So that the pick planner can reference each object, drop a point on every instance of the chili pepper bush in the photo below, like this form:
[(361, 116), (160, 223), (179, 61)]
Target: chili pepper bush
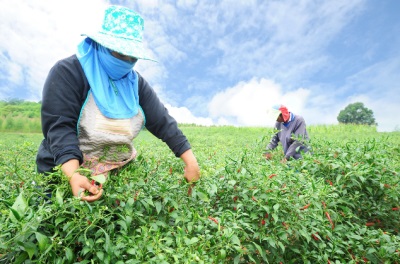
[(338, 205)]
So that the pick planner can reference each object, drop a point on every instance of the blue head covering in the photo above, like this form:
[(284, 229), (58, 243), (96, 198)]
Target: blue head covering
[(113, 82)]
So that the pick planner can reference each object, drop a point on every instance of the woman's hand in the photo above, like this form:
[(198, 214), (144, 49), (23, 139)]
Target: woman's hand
[(192, 170), (267, 155), (192, 173), (80, 184)]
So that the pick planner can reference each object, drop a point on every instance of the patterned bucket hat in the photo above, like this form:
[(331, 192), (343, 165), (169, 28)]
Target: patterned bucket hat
[(121, 31)]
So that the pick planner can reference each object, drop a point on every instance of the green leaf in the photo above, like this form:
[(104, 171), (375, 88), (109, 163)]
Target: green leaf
[(357, 237), (100, 255), (275, 216), (202, 196), (235, 240), (193, 240), (271, 241), (30, 248), (59, 220), (237, 259), (131, 251), (276, 207), (14, 215), (232, 182), (305, 235), (338, 178), (21, 258), (59, 197), (296, 250), (42, 241), (149, 201), (158, 206), (69, 254), (18, 209), (99, 178), (282, 246), (262, 252), (122, 224)]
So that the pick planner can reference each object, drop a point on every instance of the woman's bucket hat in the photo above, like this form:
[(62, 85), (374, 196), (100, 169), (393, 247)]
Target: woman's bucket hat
[(121, 31)]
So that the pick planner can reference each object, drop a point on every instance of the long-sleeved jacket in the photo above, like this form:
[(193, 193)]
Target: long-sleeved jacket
[(291, 137), (64, 94)]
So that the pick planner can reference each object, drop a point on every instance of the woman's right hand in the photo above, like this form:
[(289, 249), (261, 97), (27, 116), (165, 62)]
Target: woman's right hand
[(80, 184)]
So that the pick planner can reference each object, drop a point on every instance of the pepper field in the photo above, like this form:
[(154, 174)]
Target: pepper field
[(339, 205)]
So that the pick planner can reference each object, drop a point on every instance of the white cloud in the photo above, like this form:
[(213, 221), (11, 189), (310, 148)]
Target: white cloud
[(37, 34), (184, 116), (246, 103)]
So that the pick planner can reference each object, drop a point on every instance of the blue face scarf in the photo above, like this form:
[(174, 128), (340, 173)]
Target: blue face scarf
[(113, 82), (114, 67)]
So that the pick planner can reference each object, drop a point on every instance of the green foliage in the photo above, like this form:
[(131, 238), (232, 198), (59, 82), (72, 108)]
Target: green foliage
[(356, 113), (20, 116), (339, 205)]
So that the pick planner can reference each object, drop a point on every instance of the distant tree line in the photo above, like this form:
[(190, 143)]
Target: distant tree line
[(17, 107), (24, 116)]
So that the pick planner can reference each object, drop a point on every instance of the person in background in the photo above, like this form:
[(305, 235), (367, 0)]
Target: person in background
[(292, 134), (94, 103)]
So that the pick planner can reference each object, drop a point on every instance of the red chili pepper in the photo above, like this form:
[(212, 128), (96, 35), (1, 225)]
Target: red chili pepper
[(272, 175), (330, 220), (266, 215), (330, 183), (285, 225), (315, 237), (213, 219), (263, 222), (235, 198), (324, 204), (254, 199), (370, 224), (305, 207), (395, 208), (93, 182)]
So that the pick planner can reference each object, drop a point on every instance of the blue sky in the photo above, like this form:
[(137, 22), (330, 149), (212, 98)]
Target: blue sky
[(227, 62)]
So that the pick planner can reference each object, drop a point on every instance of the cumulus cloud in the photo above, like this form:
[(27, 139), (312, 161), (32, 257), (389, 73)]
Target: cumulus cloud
[(183, 116), (38, 34), (246, 103)]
